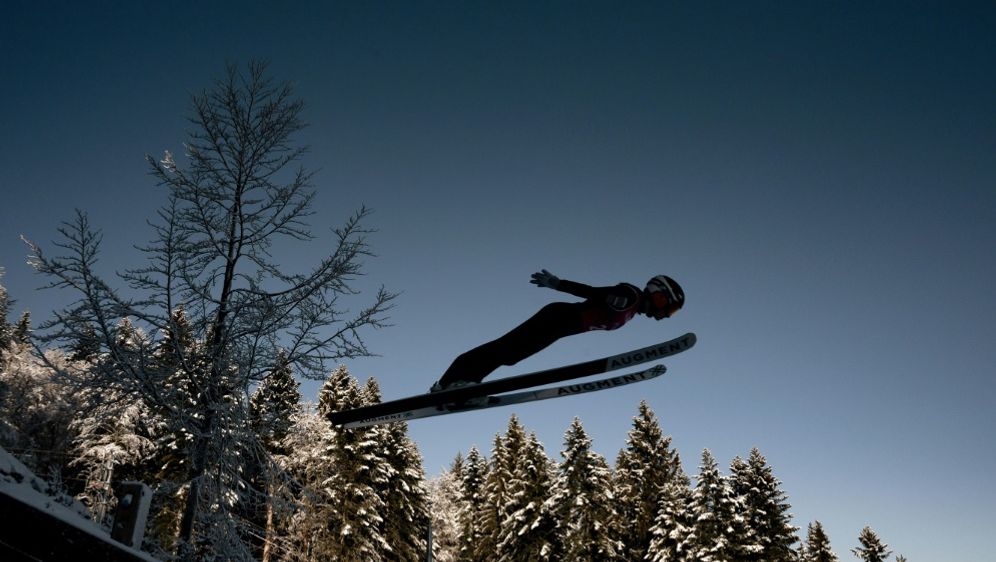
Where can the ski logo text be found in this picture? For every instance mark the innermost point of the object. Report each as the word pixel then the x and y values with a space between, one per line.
pixel 401 416
pixel 651 353
pixel 609 383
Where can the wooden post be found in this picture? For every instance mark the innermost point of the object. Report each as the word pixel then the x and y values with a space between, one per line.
pixel 428 540
pixel 134 499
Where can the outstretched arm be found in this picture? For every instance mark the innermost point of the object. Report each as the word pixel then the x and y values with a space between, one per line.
pixel 546 279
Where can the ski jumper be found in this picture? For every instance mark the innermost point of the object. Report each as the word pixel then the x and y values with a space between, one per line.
pixel 604 308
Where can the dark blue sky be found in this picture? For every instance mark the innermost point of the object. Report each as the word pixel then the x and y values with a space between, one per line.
pixel 819 176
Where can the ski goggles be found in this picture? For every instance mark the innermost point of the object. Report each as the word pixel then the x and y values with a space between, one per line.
pixel 662 304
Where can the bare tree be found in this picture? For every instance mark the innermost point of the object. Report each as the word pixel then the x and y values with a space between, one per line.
pixel 240 190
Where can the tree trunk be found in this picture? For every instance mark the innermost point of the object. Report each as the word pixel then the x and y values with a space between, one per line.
pixel 270 531
pixel 198 468
pixel 215 348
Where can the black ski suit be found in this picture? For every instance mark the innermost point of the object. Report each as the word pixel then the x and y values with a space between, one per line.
pixel 604 308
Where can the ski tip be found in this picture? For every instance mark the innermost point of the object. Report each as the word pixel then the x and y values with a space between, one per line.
pixel 685 340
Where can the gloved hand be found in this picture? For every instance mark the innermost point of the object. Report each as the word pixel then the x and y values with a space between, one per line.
pixel 545 279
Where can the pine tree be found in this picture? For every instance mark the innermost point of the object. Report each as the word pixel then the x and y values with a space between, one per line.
pixel 456 467
pixel 188 402
pixel 583 502
pixel 719 533
pixel 406 511
pixel 37 409
pixel 182 368
pixel 487 519
pixel 22 331
pixel 311 442
pixel 473 481
pixel 672 525
pixel 113 442
pixel 770 534
pixel 359 476
pixel 446 505
pixel 274 404
pixel 272 409
pixel 497 508
pixel 7 433
pixel 643 468
pixel 180 375
pixel 529 527
pixel 86 347
pixel 872 548
pixel 817 545
pixel 5 329
pixel 230 455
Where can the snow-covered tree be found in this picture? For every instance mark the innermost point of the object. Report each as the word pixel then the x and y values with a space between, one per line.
pixel 871 548
pixel 474 476
pixel 406 509
pixel 303 525
pixel 5 335
pixel 238 190
pixel 271 412
pixel 488 519
pixel 5 328
pixel 817 545
pixel 517 486
pixel 86 347
pixel 359 476
pixel 37 410
pixel 22 330
pixel 274 404
pixel 446 505
pixel 112 444
pixel 770 533
pixel 643 468
pixel 529 525
pixel 673 524
pixel 718 533
pixel 179 366
pixel 182 373
pixel 583 501
pixel 222 525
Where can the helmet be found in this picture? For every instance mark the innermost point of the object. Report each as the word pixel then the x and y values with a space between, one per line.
pixel 665 296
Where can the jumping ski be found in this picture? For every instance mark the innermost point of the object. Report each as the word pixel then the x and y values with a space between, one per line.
pixel 455 397
pixel 513 398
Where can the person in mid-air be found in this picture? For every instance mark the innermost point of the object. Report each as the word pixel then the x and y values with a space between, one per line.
pixel 604 308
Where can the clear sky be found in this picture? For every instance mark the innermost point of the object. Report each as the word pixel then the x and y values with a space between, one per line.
pixel 819 176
